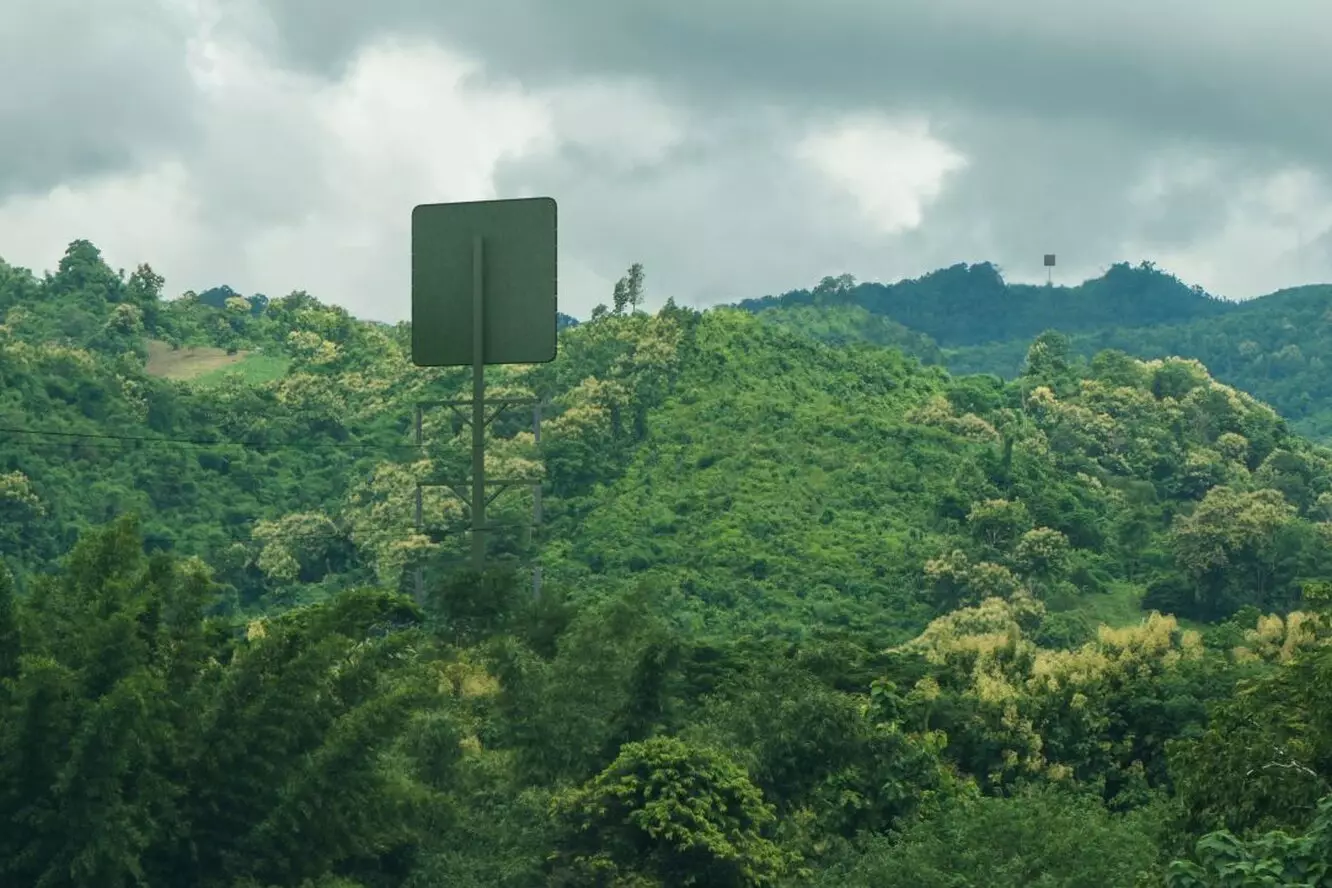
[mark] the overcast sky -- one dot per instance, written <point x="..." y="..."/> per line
<point x="735" y="147"/>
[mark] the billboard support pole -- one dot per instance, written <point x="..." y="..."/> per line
<point x="514" y="321"/>
<point x="478" y="406"/>
<point x="418" y="576"/>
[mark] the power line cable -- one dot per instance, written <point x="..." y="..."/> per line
<point x="75" y="437"/>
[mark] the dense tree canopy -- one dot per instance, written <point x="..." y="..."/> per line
<point x="970" y="319"/>
<point x="813" y="611"/>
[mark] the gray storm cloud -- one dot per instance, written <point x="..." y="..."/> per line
<point x="89" y="88"/>
<point x="1061" y="109"/>
<point x="1236" y="73"/>
<point x="1101" y="131"/>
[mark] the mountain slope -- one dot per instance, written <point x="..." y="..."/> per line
<point x="972" y="305"/>
<point x="753" y="474"/>
<point x="92" y="430"/>
<point x="716" y="505"/>
<point x="968" y="318"/>
<point x="1273" y="346"/>
<point x="795" y="483"/>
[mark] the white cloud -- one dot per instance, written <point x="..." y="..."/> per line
<point x="1262" y="241"/>
<point x="670" y="153"/>
<point x="132" y="217"/>
<point x="892" y="170"/>
<point x="300" y="183"/>
<point x="404" y="127"/>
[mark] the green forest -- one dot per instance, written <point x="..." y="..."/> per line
<point x="968" y="319"/>
<point x="948" y="583"/>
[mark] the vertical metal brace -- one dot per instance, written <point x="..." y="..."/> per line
<point x="536" y="501"/>
<point x="536" y="488"/>
<point x="478" y="407"/>
<point x="419" y="578"/>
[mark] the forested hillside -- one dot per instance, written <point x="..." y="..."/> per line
<point x="973" y="305"/>
<point x="1273" y="347"/>
<point x="970" y="320"/>
<point x="813" y="612"/>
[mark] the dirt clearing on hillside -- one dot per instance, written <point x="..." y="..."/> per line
<point x="188" y="363"/>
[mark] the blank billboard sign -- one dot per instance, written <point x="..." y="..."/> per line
<point x="515" y="241"/>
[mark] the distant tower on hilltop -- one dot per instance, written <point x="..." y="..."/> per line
<point x="1049" y="266"/>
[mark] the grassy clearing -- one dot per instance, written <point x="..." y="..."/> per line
<point x="209" y="366"/>
<point x="1120" y="606"/>
<point x="187" y="363"/>
<point x="254" y="369"/>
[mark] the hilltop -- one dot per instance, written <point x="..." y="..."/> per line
<point x="970" y="320"/>
<point x="1272" y="346"/>
<point x="968" y="305"/>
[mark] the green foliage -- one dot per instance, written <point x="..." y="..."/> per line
<point x="629" y="290"/>
<point x="851" y="325"/>
<point x="970" y="305"/>
<point x="1034" y="839"/>
<point x="254" y="370"/>
<point x="1266" y="757"/>
<point x="139" y="745"/>
<point x="99" y="435"/>
<point x="666" y="813"/>
<point x="1271" y="859"/>
<point x="609" y="683"/>
<point x="813" y="611"/>
<point x="815" y="751"/>
<point x="1270" y="346"/>
<point x="11" y="646"/>
<point x="472" y="607"/>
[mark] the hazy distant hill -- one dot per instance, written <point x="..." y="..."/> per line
<point x="1274" y="346"/>
<point x="1277" y="347"/>
<point x="971" y="304"/>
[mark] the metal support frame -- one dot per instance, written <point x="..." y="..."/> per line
<point x="473" y="492"/>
